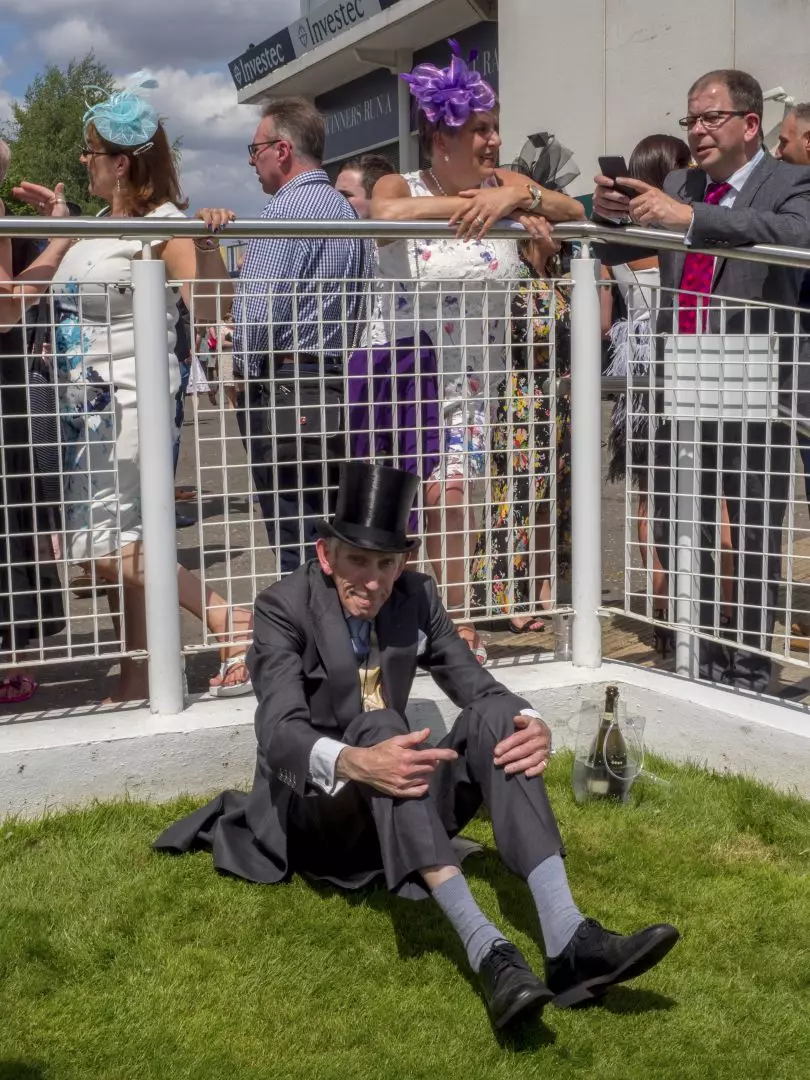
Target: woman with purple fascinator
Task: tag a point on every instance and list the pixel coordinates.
(130, 166)
(448, 300)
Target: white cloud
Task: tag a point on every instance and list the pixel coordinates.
(5, 107)
(152, 32)
(201, 106)
(73, 38)
(187, 45)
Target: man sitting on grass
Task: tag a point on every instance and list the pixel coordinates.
(345, 792)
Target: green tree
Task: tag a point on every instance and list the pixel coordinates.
(46, 130)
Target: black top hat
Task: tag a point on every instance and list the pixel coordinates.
(373, 505)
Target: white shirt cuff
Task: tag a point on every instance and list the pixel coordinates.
(688, 237)
(322, 764)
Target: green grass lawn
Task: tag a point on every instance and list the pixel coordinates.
(119, 964)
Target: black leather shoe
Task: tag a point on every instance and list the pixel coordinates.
(512, 991)
(595, 959)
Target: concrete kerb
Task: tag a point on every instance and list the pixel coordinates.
(57, 760)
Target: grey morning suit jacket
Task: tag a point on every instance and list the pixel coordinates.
(304, 670)
(772, 208)
(305, 675)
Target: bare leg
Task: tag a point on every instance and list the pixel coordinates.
(659, 577)
(446, 519)
(133, 681)
(433, 876)
(726, 562)
(214, 611)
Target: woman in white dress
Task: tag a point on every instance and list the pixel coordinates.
(130, 166)
(458, 291)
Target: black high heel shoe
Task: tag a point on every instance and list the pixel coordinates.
(663, 636)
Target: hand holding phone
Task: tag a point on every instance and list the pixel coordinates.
(612, 167)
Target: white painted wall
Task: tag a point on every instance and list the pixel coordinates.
(602, 74)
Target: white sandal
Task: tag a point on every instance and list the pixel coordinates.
(239, 689)
(478, 651)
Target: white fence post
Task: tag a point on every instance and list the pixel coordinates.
(586, 461)
(155, 434)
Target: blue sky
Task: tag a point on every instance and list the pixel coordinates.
(186, 44)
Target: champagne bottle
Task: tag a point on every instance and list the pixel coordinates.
(602, 775)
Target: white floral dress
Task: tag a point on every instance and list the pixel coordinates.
(94, 347)
(458, 293)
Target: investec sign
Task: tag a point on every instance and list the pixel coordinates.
(321, 25)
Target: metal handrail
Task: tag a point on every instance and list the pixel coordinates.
(144, 229)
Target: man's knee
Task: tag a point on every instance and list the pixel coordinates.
(495, 715)
(375, 726)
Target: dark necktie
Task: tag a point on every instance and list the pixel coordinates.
(360, 632)
(696, 280)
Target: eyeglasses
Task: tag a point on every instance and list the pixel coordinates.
(88, 151)
(255, 147)
(710, 120)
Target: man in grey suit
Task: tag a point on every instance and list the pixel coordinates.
(738, 195)
(345, 792)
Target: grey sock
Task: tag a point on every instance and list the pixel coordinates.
(559, 915)
(477, 934)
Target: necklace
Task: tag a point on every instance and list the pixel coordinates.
(435, 180)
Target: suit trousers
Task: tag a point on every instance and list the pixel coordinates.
(753, 479)
(291, 493)
(360, 833)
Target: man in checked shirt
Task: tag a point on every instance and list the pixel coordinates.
(295, 320)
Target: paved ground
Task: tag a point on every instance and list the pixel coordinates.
(233, 547)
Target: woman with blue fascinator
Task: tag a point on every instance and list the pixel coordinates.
(130, 165)
(450, 299)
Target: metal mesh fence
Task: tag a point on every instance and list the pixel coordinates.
(476, 407)
(712, 439)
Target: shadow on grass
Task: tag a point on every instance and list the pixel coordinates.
(420, 928)
(20, 1070)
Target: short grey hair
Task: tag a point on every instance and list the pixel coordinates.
(298, 121)
(5, 159)
(802, 112)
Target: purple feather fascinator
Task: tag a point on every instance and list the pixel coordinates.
(448, 95)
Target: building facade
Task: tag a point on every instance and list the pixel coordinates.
(600, 74)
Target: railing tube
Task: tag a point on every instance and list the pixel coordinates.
(586, 461)
(155, 434)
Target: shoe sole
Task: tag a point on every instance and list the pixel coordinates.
(529, 1003)
(646, 958)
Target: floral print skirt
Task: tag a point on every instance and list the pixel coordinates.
(521, 490)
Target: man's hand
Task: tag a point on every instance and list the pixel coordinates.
(652, 207)
(607, 202)
(527, 751)
(396, 766)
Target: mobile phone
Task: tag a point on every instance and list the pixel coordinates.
(613, 167)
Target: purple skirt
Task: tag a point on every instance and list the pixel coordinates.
(394, 415)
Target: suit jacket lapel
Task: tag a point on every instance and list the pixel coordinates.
(335, 649)
(692, 191)
(744, 198)
(397, 634)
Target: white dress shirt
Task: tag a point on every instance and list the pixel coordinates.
(736, 180)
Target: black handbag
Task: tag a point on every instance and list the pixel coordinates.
(304, 419)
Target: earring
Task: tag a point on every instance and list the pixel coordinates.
(118, 184)
(446, 157)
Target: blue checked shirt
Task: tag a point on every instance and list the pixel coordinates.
(299, 295)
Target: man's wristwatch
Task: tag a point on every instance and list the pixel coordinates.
(536, 194)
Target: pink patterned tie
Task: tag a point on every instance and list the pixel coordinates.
(698, 270)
